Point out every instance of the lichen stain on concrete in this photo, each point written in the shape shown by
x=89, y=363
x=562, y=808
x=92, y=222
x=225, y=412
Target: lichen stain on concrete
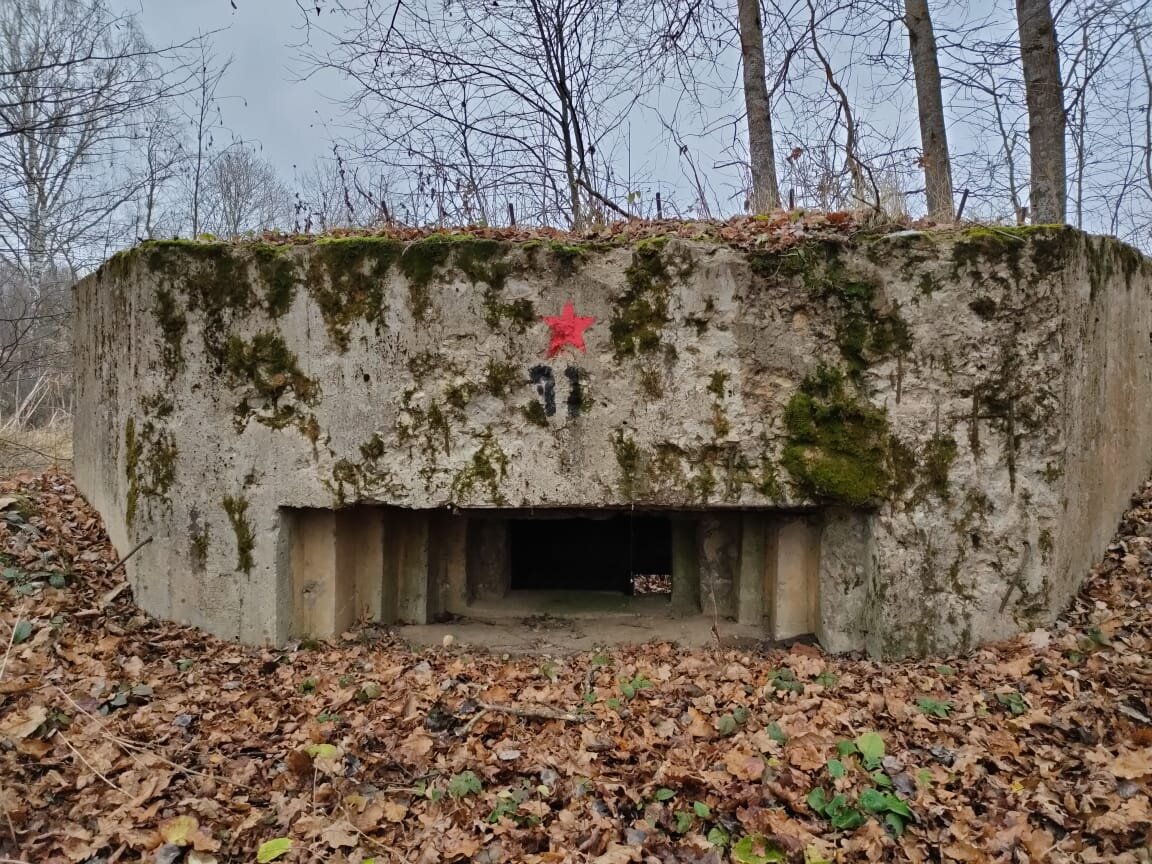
x=892, y=387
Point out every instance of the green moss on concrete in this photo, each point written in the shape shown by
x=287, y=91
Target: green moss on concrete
x=158, y=405
x=268, y=366
x=628, y=462
x=837, y=448
x=173, y=325
x=501, y=377
x=567, y=258
x=485, y=471
x=237, y=510
x=640, y=313
x=865, y=334
x=939, y=454
x=280, y=274
x=534, y=413
x=199, y=541
x=652, y=382
x=718, y=383
x=347, y=280
x=720, y=423
x=1046, y=544
x=458, y=394
x=150, y=455
x=482, y=260
x=132, y=469
x=518, y=314
x=373, y=449
x=367, y=479
x=1046, y=248
x=214, y=279
x=768, y=481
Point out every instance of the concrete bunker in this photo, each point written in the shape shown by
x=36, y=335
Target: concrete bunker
x=378, y=563
x=904, y=442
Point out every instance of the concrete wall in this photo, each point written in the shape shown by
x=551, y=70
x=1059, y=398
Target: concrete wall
x=953, y=421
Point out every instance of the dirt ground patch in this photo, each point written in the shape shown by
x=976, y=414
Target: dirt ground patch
x=124, y=739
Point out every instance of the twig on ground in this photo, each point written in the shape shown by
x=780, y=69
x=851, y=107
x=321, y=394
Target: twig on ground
x=11, y=641
x=536, y=713
x=135, y=549
x=88, y=764
x=132, y=748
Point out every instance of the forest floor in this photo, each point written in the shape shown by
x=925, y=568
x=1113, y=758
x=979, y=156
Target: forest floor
x=126, y=739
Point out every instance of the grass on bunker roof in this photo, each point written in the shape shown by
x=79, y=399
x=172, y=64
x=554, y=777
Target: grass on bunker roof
x=780, y=230
x=124, y=739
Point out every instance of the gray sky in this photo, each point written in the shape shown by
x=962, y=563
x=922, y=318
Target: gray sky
x=267, y=104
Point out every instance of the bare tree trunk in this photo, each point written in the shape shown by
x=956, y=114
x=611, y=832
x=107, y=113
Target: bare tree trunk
x=1046, y=121
x=930, y=107
x=761, y=152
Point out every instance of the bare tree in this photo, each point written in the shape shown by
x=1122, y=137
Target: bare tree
x=930, y=110
x=479, y=103
x=76, y=81
x=761, y=148
x=73, y=79
x=205, y=118
x=1047, y=124
x=242, y=194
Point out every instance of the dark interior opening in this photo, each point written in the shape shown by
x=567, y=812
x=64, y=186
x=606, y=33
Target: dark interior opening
x=625, y=553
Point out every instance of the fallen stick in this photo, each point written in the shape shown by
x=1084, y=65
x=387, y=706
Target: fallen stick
x=541, y=713
x=135, y=549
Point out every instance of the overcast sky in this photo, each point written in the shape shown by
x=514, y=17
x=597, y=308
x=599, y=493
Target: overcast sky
x=269, y=105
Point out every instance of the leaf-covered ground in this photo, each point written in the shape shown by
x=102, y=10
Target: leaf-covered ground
x=125, y=739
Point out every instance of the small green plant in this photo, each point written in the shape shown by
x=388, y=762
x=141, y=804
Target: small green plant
x=934, y=707
x=784, y=680
x=894, y=811
x=308, y=686
x=946, y=671
x=345, y=680
x=328, y=717
x=464, y=784
x=717, y=836
x=601, y=660
x=1013, y=701
x=629, y=688
x=776, y=733
x=23, y=583
x=368, y=692
x=683, y=821
x=504, y=807
x=701, y=809
x=550, y=670
x=827, y=680
x=757, y=849
x=836, y=769
x=270, y=850
x=184, y=665
x=839, y=812
x=730, y=723
x=881, y=779
x=664, y=794
x=22, y=632
x=870, y=746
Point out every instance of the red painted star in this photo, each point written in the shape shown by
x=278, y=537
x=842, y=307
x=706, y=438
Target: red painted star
x=567, y=329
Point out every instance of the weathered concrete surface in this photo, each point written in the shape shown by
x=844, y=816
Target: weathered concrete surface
x=940, y=430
